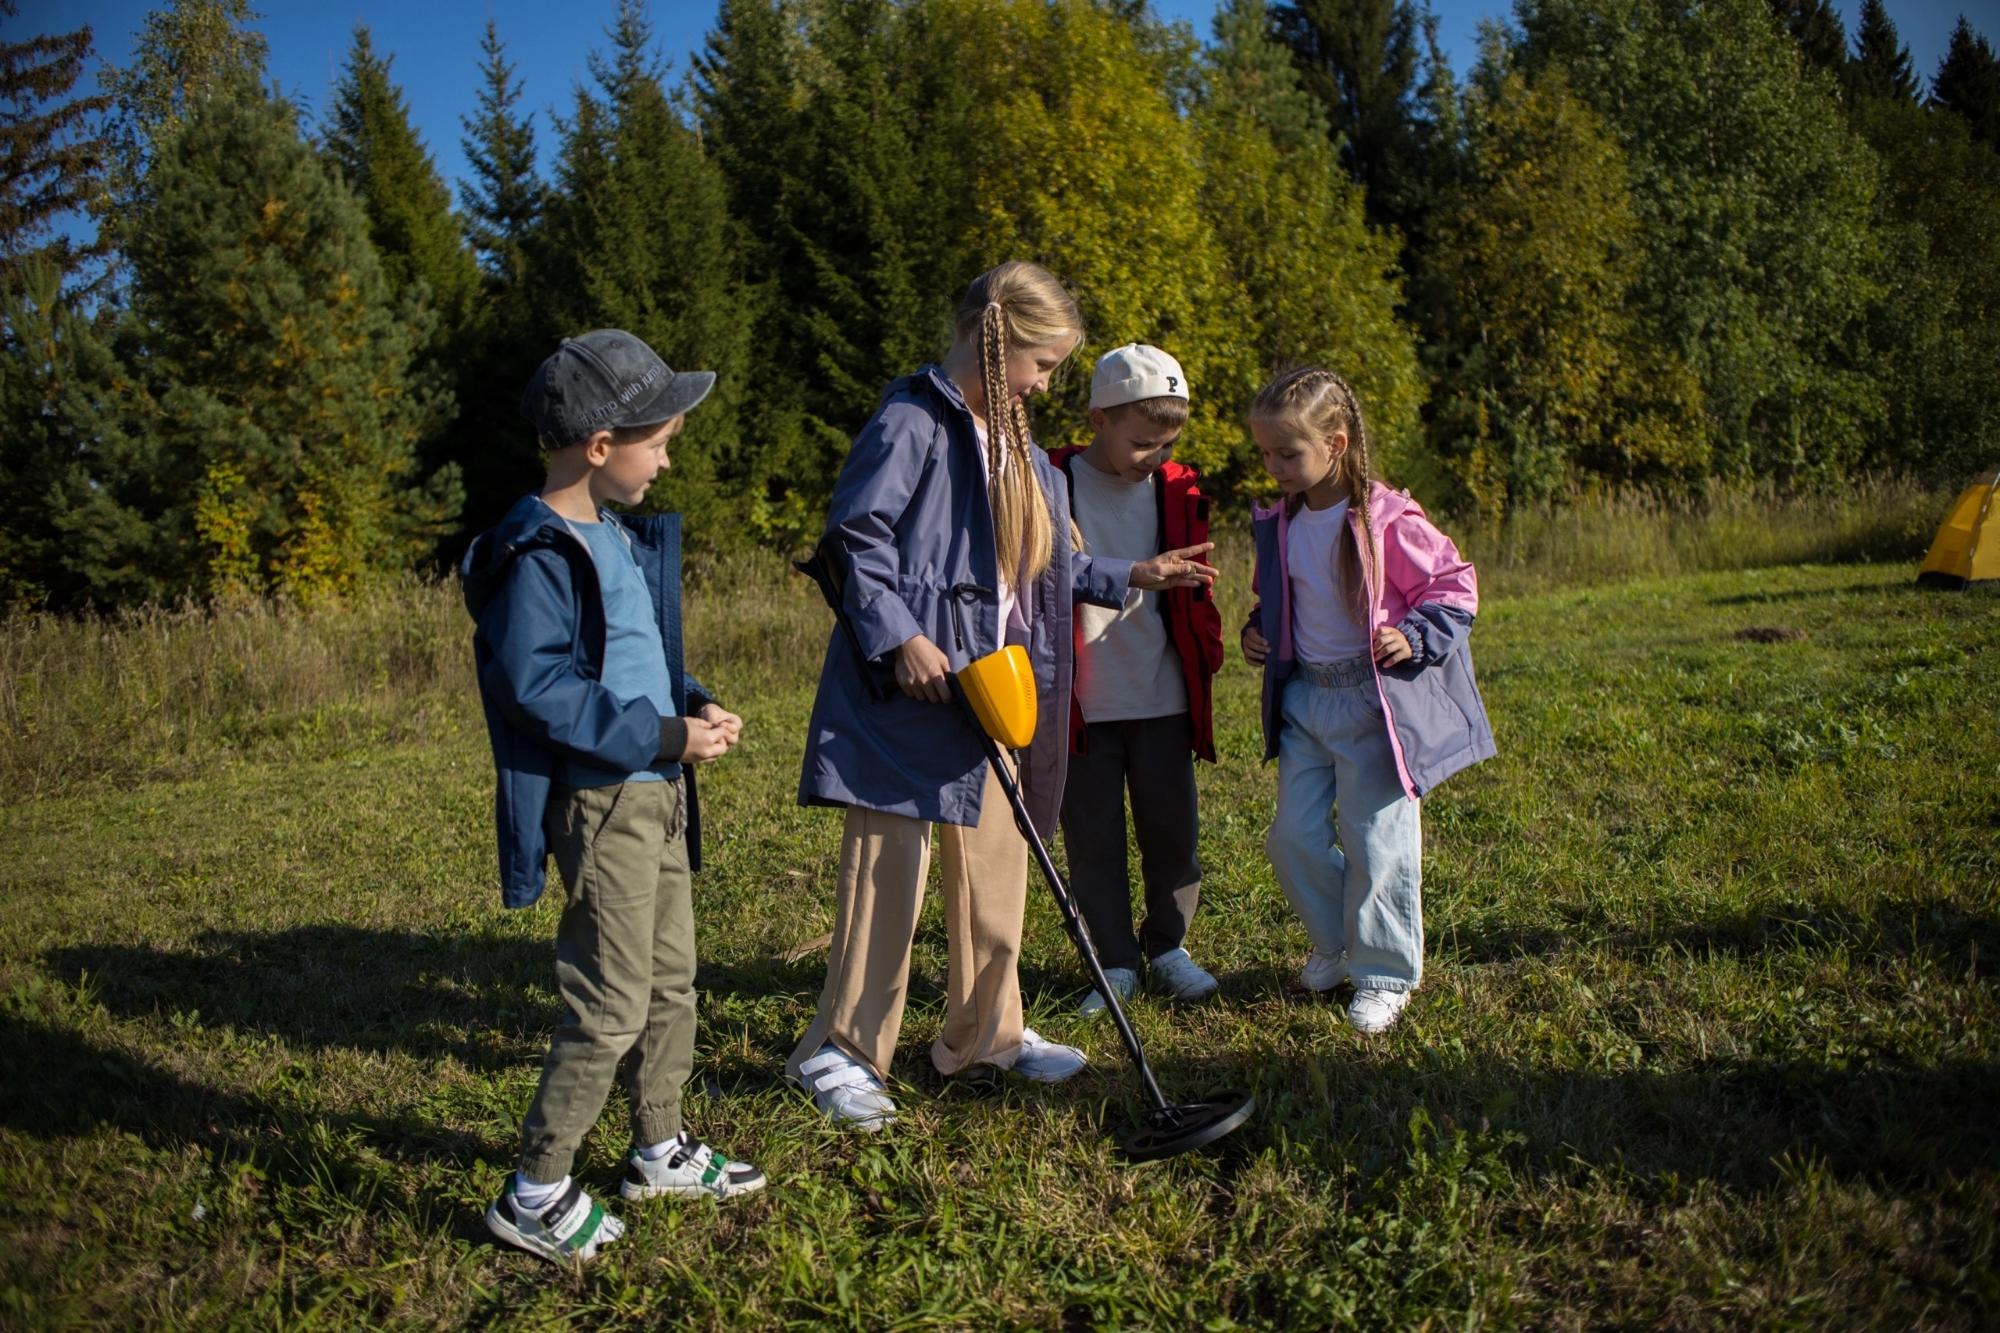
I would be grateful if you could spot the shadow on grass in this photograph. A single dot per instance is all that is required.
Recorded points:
(1894, 928)
(59, 1085)
(488, 1001)
(1739, 1126)
(481, 1000)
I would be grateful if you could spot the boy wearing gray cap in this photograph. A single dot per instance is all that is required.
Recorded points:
(1141, 711)
(596, 728)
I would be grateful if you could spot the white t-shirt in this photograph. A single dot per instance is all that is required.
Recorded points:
(1127, 669)
(1323, 628)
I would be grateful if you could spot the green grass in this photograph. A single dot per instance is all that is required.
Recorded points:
(1707, 1035)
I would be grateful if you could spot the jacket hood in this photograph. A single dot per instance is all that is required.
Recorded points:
(530, 524)
(1169, 471)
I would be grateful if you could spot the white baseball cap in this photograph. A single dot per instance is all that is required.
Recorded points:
(1133, 373)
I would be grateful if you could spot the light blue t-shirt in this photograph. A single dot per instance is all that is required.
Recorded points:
(635, 661)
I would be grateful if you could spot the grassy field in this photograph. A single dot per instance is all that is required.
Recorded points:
(1707, 1036)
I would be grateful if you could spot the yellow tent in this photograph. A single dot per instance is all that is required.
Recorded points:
(1967, 547)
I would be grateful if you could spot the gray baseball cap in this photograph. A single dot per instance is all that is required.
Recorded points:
(606, 379)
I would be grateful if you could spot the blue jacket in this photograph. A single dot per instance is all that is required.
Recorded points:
(911, 512)
(538, 644)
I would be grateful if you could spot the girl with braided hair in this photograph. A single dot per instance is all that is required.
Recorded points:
(1361, 624)
(951, 533)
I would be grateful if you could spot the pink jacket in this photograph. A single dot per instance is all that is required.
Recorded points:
(1436, 719)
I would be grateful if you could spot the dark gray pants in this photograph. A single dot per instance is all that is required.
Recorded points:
(1151, 758)
(624, 967)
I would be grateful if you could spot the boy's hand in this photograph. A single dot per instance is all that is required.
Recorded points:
(1391, 647)
(706, 740)
(1255, 647)
(921, 669)
(732, 725)
(1175, 569)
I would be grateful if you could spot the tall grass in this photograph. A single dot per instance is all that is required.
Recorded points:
(1612, 538)
(161, 692)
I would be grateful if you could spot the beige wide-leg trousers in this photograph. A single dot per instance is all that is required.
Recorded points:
(883, 863)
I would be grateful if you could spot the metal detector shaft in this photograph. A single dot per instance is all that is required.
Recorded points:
(1077, 932)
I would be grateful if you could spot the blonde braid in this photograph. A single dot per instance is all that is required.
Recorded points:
(1316, 403)
(993, 373)
(1358, 467)
(1016, 302)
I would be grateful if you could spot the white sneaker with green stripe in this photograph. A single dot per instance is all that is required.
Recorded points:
(569, 1231)
(690, 1169)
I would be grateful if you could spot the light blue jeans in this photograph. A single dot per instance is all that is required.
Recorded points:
(1346, 841)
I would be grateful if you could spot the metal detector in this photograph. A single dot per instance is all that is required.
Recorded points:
(998, 693)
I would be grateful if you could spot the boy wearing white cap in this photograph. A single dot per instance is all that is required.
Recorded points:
(1141, 711)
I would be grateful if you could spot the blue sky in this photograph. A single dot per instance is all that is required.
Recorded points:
(435, 44)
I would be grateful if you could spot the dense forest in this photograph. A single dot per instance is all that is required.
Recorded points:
(1643, 245)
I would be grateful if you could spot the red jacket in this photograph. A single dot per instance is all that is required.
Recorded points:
(1194, 626)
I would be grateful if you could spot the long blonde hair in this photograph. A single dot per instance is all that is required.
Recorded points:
(1021, 305)
(1313, 403)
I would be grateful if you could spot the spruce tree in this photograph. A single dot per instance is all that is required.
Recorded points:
(1361, 59)
(503, 200)
(502, 209)
(51, 155)
(1881, 65)
(750, 99)
(289, 421)
(1968, 84)
(867, 286)
(640, 238)
(371, 142)
(1815, 25)
(372, 147)
(79, 457)
(828, 121)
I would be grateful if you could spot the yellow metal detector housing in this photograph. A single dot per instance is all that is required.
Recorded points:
(1001, 689)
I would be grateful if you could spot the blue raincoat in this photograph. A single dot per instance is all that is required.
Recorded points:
(911, 513)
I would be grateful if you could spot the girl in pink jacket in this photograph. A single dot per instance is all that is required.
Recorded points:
(1369, 700)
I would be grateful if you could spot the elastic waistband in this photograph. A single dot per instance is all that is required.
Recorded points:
(1344, 674)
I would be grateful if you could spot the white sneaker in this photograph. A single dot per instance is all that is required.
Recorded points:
(1045, 1061)
(1323, 971)
(1124, 983)
(569, 1230)
(1181, 977)
(1376, 1010)
(844, 1088)
(691, 1170)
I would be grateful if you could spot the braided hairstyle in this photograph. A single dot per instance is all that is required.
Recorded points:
(1018, 305)
(1313, 404)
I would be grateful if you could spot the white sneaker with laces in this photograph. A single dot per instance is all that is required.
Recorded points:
(1124, 983)
(1376, 1010)
(1181, 977)
(690, 1169)
(1323, 971)
(846, 1091)
(1045, 1061)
